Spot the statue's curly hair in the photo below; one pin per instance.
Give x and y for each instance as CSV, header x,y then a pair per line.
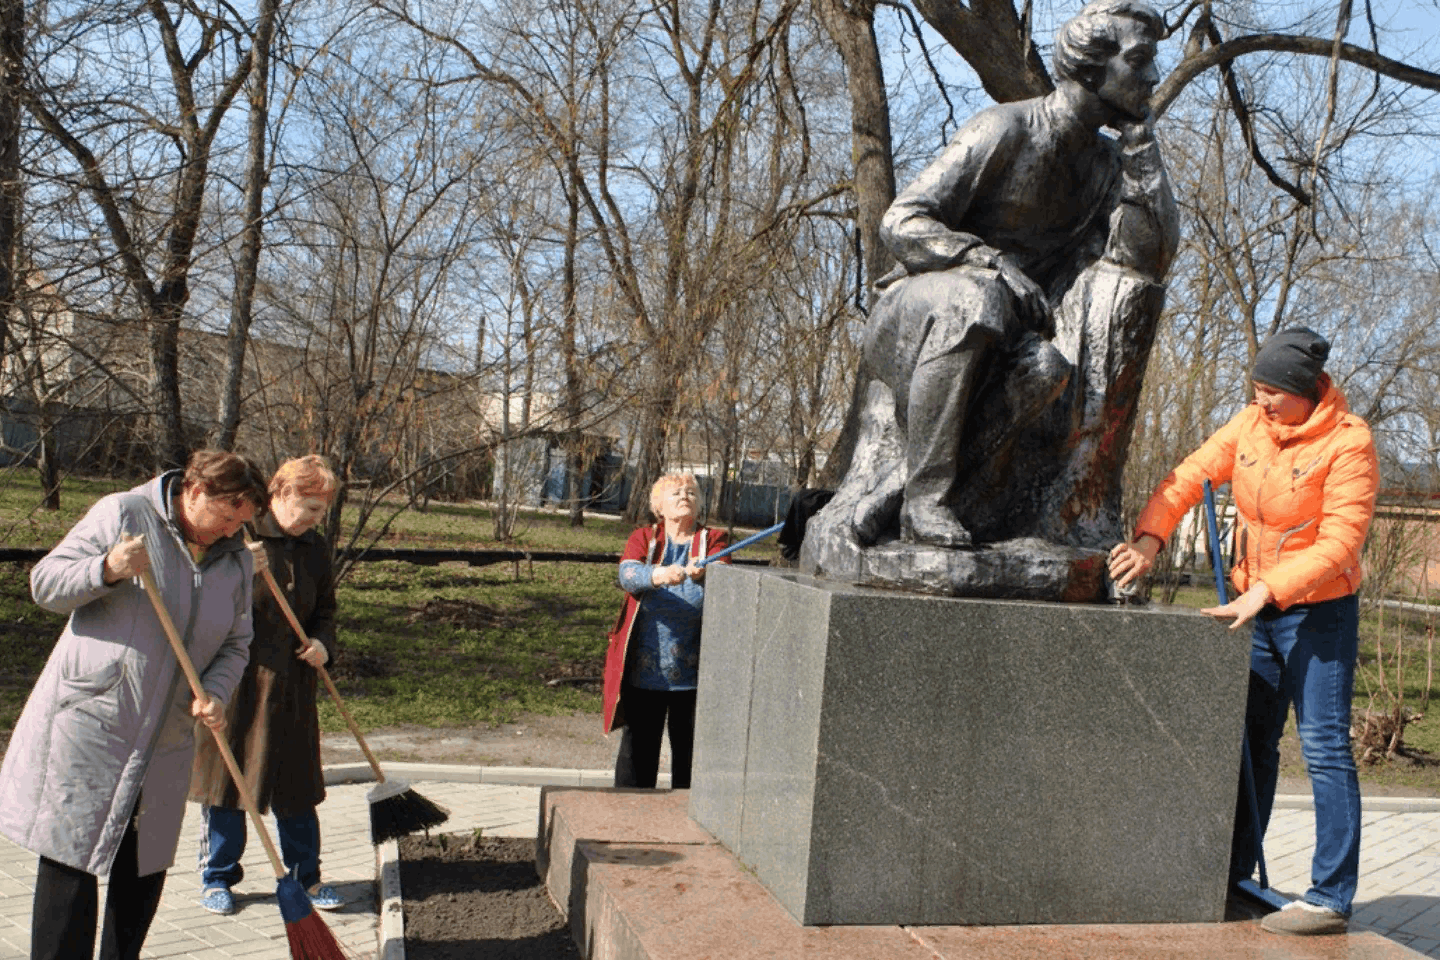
x,y
1088,40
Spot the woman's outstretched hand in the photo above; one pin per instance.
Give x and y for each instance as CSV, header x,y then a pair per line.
x,y
1244,607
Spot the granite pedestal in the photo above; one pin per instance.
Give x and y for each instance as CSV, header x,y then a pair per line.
x,y
638,880
886,758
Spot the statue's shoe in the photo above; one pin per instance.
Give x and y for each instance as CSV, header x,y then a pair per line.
x,y
933,525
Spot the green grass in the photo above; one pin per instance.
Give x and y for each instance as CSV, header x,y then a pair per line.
x,y
26,635
456,646
471,526
23,523
434,646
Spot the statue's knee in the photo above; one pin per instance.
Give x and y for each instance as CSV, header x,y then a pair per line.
x,y
1040,375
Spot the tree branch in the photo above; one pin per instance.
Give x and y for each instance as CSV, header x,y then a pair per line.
x,y
1192,66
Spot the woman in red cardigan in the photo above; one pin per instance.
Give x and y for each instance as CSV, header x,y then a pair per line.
x,y
652,664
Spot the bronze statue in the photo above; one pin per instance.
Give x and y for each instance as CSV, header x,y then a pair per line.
x,y
1006,350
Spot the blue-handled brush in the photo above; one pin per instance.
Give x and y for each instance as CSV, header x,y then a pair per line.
x,y
1260,891
767,532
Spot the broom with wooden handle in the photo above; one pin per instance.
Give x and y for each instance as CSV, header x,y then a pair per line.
x,y
395,809
309,938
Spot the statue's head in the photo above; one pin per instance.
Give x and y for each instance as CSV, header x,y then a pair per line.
x,y
1086,45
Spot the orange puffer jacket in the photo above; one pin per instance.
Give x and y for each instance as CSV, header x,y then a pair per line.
x,y
1304,493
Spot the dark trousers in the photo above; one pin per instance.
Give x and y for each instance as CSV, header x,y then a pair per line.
x,y
62,926
646,715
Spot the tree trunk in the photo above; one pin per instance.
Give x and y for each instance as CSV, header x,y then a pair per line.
x,y
575,458
12,53
995,42
654,432
243,299
169,427
46,465
853,30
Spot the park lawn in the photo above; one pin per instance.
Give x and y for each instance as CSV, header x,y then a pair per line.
x,y
461,646
440,525
436,646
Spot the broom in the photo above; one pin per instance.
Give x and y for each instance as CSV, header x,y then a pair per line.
x,y
309,938
395,809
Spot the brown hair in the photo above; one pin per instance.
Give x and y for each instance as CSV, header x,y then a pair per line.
x,y
308,476
219,473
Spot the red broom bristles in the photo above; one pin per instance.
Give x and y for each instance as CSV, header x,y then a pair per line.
x,y
310,939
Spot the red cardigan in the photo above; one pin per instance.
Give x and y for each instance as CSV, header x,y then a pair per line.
x,y
644,544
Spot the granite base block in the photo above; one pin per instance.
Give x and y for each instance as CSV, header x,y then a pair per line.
x,y
886,758
638,885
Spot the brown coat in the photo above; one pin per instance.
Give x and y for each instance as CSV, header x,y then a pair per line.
x,y
272,724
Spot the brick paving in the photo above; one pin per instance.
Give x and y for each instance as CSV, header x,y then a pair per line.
x,y
1399,893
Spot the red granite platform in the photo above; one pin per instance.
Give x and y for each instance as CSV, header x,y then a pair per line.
x,y
639,880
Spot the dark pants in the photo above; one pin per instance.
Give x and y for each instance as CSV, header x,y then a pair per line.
x,y
646,713
62,926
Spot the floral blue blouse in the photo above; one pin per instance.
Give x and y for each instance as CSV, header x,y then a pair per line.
x,y
665,640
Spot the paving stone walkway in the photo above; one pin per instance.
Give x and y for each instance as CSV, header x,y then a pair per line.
x,y
1399,872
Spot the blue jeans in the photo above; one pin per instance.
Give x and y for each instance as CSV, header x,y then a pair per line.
x,y
1306,656
222,843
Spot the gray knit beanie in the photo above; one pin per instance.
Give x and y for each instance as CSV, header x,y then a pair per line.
x,y
1292,360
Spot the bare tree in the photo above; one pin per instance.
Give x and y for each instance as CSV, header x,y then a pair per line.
x,y
131,124
247,265
12,72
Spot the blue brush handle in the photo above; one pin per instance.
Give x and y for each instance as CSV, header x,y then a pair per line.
x,y
1247,769
1212,527
768,531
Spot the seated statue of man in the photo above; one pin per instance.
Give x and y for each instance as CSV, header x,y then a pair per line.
x,y
994,232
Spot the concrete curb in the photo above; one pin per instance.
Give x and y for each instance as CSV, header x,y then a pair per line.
x,y
1299,801
392,914
460,773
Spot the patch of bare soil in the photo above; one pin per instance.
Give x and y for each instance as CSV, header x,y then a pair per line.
x,y
570,741
469,896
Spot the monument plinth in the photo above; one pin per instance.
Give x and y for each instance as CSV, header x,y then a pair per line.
x,y
888,758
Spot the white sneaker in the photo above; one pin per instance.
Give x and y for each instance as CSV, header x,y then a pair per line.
x,y
1301,919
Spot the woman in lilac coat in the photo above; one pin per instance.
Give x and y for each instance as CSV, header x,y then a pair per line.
x,y
94,779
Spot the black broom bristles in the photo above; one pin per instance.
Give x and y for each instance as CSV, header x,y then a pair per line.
x,y
396,810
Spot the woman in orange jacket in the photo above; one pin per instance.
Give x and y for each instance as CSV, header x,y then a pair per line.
x,y
1303,476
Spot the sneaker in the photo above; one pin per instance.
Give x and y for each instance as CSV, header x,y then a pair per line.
x,y
1301,919
218,900
325,897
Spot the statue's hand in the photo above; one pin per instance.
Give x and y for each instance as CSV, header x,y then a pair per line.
x,y
1136,133
1033,305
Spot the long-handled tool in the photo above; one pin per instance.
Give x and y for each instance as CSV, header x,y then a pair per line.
x,y
309,938
1260,891
395,809
767,532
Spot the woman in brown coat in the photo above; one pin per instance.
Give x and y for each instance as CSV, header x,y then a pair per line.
x,y
274,729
